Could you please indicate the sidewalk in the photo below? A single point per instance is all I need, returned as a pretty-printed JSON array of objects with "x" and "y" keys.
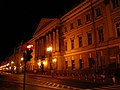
[{"x": 108, "y": 81}]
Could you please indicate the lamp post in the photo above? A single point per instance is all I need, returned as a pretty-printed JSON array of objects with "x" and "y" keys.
[
  {"x": 21, "y": 64},
  {"x": 49, "y": 49},
  {"x": 12, "y": 66}
]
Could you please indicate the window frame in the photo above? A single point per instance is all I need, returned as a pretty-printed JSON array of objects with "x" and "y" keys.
[
  {"x": 98, "y": 11},
  {"x": 80, "y": 41},
  {"x": 115, "y": 4},
  {"x": 72, "y": 44},
  {"x": 79, "y": 22},
  {"x": 101, "y": 34},
  {"x": 117, "y": 28},
  {"x": 87, "y": 17},
  {"x": 71, "y": 26},
  {"x": 73, "y": 64},
  {"x": 89, "y": 38}
]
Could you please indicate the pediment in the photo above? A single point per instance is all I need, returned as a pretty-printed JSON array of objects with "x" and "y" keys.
[{"x": 43, "y": 23}]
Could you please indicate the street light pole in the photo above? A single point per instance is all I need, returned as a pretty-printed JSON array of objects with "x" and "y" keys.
[
  {"x": 27, "y": 56},
  {"x": 24, "y": 75}
]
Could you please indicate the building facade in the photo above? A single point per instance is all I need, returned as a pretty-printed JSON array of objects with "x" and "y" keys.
[
  {"x": 85, "y": 38},
  {"x": 91, "y": 35}
]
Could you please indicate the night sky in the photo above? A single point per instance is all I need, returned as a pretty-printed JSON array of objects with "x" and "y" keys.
[{"x": 20, "y": 18}]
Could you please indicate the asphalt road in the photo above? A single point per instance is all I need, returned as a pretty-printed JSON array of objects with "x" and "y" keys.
[{"x": 36, "y": 82}]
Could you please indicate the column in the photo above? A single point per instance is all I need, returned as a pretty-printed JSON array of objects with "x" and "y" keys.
[
  {"x": 54, "y": 41},
  {"x": 50, "y": 39},
  {"x": 39, "y": 47},
  {"x": 57, "y": 40},
  {"x": 42, "y": 46},
  {"x": 46, "y": 41}
]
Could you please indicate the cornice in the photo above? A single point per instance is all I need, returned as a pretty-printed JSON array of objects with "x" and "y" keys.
[{"x": 82, "y": 7}]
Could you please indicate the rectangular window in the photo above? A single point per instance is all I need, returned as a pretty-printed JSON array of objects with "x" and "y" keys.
[
  {"x": 91, "y": 62},
  {"x": 66, "y": 64},
  {"x": 115, "y": 3},
  {"x": 119, "y": 58},
  {"x": 65, "y": 46},
  {"x": 79, "y": 22},
  {"x": 118, "y": 28},
  {"x": 98, "y": 12},
  {"x": 89, "y": 35},
  {"x": 73, "y": 64},
  {"x": 81, "y": 63},
  {"x": 87, "y": 17},
  {"x": 72, "y": 44},
  {"x": 100, "y": 33},
  {"x": 80, "y": 41},
  {"x": 71, "y": 25}
]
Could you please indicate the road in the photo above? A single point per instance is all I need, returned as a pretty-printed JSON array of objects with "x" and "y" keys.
[{"x": 36, "y": 82}]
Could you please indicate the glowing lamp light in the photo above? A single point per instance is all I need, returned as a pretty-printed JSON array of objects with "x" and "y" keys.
[
  {"x": 45, "y": 63},
  {"x": 12, "y": 62},
  {"x": 49, "y": 49},
  {"x": 54, "y": 60},
  {"x": 22, "y": 59},
  {"x": 29, "y": 46},
  {"x": 39, "y": 63}
]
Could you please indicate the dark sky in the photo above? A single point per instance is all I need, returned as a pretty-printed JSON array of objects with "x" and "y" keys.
[{"x": 19, "y": 19}]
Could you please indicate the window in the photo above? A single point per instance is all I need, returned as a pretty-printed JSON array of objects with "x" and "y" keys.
[
  {"x": 65, "y": 29},
  {"x": 91, "y": 62},
  {"x": 98, "y": 12},
  {"x": 73, "y": 64},
  {"x": 80, "y": 41},
  {"x": 79, "y": 22},
  {"x": 118, "y": 28},
  {"x": 87, "y": 17},
  {"x": 72, "y": 44},
  {"x": 100, "y": 33},
  {"x": 119, "y": 58},
  {"x": 72, "y": 27},
  {"x": 115, "y": 3},
  {"x": 81, "y": 63},
  {"x": 66, "y": 46},
  {"x": 89, "y": 35},
  {"x": 66, "y": 64}
]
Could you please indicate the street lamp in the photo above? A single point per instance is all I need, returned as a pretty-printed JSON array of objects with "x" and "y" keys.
[
  {"x": 49, "y": 49},
  {"x": 22, "y": 58}
]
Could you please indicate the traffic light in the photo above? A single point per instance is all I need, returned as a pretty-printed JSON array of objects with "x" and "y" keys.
[{"x": 27, "y": 54}]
